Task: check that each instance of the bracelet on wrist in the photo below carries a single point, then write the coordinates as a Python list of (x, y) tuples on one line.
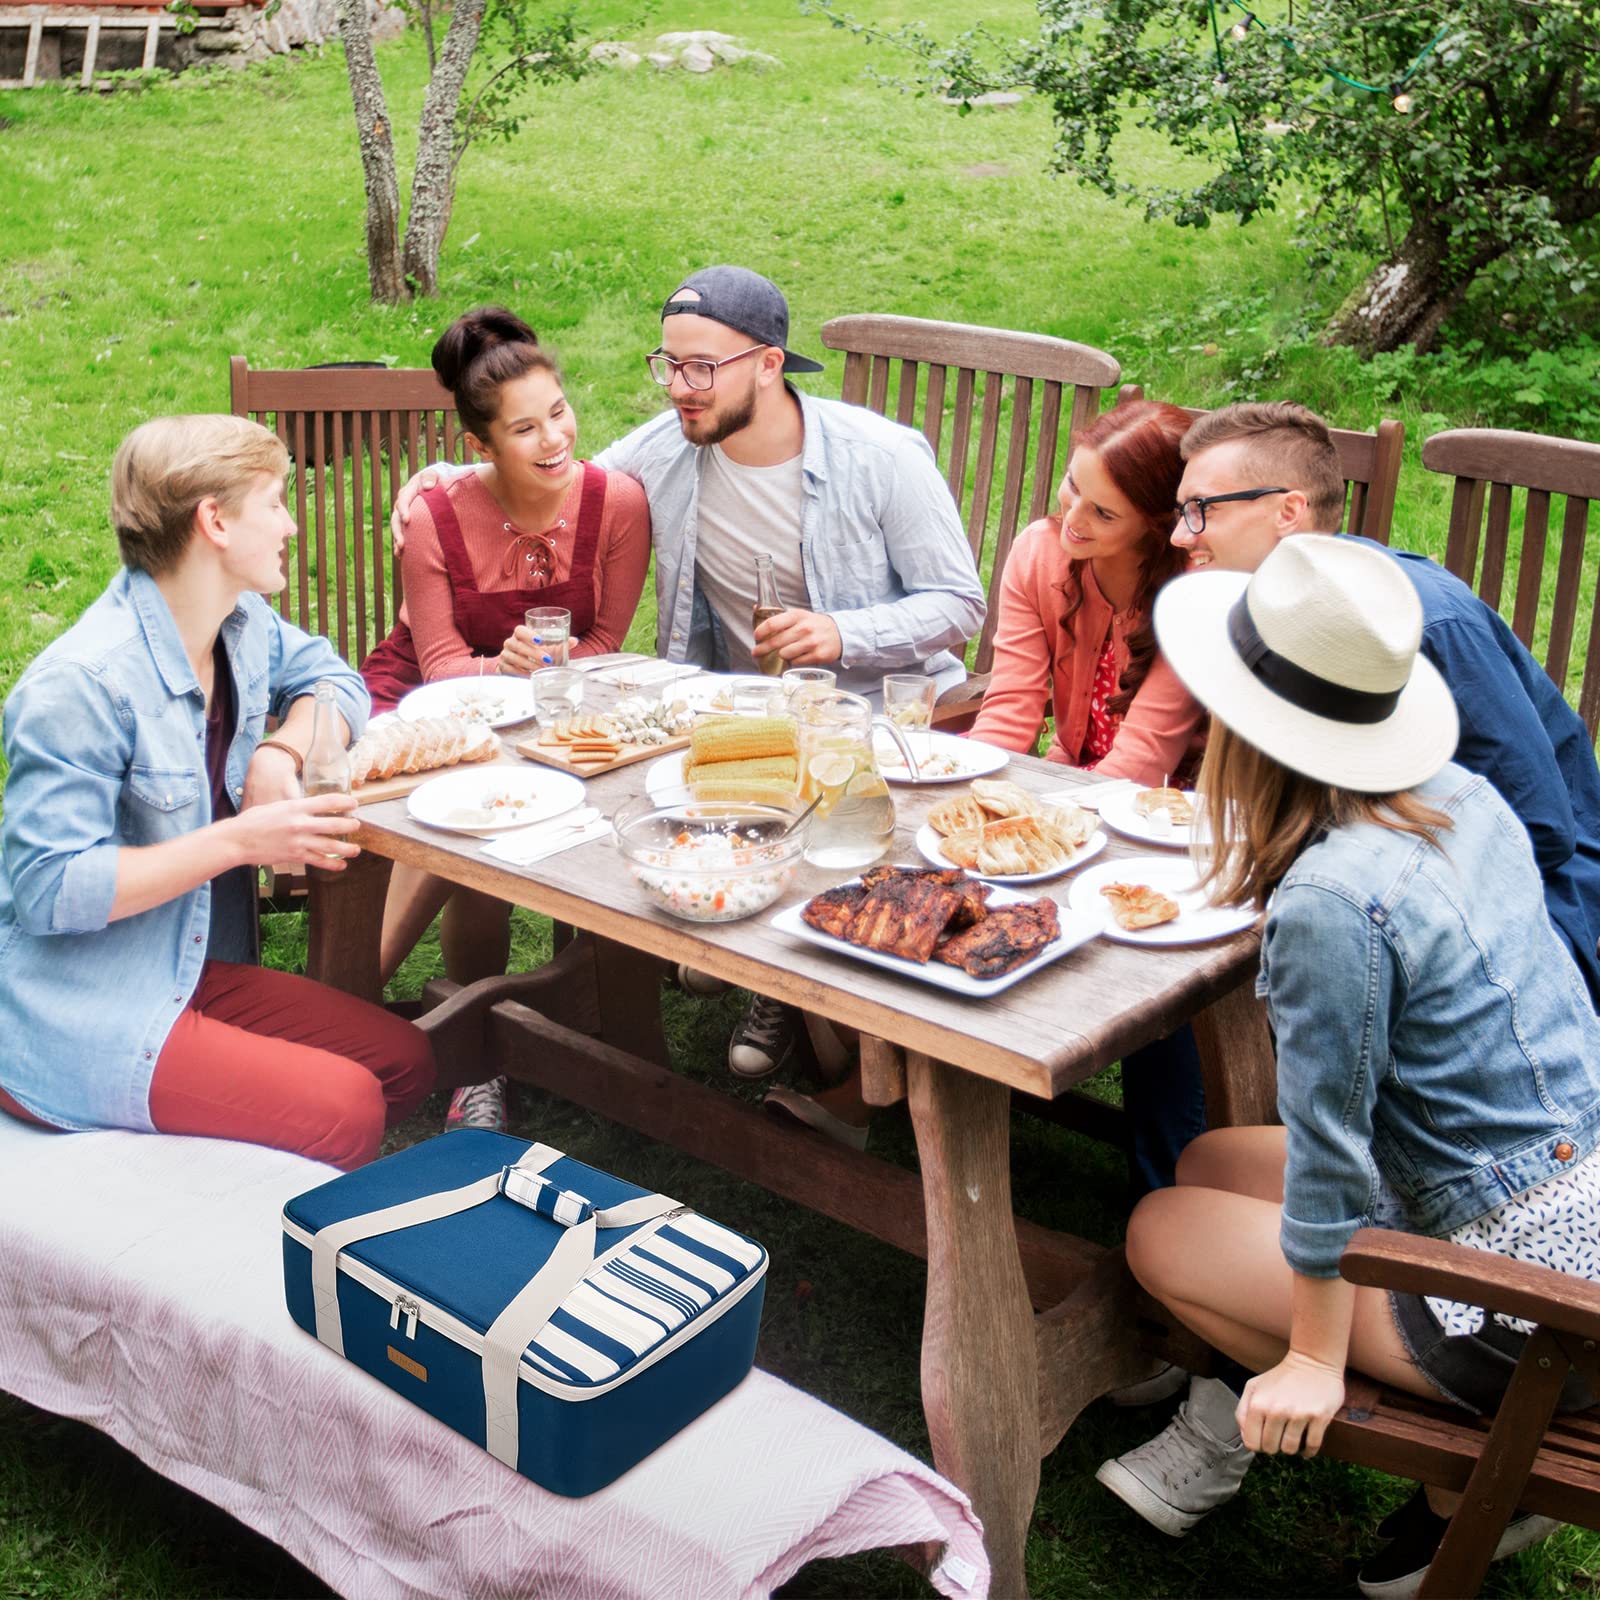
[(289, 750)]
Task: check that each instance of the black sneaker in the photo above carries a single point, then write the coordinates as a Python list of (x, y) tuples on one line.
[(764, 1042), (1415, 1533)]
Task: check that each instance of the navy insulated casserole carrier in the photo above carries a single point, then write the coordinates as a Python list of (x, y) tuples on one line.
[(565, 1320)]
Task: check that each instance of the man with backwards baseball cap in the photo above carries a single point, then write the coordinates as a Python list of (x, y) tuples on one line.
[(873, 567), (1436, 1047)]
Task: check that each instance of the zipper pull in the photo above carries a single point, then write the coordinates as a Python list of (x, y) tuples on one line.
[(413, 1311), (394, 1311)]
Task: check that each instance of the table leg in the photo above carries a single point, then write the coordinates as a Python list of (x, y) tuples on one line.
[(346, 917), (1237, 1061), (980, 1382)]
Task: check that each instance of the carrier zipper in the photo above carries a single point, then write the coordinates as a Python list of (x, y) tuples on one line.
[(409, 1309)]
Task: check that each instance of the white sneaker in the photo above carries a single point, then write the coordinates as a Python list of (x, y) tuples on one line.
[(1192, 1466)]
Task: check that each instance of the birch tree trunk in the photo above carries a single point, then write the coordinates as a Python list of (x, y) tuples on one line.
[(377, 153), (433, 185)]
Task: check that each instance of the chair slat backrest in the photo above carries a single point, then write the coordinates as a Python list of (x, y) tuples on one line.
[(1370, 463), (1492, 468), (354, 434), (997, 375)]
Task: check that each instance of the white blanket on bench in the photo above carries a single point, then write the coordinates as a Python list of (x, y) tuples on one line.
[(141, 1290)]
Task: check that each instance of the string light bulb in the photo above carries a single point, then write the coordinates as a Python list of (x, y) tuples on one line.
[(1240, 29), (1403, 102)]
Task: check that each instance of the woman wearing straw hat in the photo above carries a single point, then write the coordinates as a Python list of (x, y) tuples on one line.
[(1438, 1059)]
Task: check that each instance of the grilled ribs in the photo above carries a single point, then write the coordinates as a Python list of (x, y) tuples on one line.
[(833, 910), (1005, 938)]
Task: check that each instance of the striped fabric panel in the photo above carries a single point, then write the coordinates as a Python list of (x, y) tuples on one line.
[(625, 1308), (538, 1194)]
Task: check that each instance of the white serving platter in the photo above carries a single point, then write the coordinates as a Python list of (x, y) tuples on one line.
[(494, 702), (1076, 930)]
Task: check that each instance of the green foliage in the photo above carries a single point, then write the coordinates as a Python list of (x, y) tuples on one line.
[(1495, 161)]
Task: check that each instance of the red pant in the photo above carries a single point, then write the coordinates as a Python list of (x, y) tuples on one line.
[(270, 1058)]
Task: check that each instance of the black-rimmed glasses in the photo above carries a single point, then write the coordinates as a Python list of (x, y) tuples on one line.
[(698, 374), (1193, 510)]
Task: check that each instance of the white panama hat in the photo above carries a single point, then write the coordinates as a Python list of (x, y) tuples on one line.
[(1313, 660)]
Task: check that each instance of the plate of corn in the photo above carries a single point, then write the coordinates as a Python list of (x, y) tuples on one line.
[(732, 758)]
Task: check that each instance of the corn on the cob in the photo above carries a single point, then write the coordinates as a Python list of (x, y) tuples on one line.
[(722, 789), (761, 769), (741, 738)]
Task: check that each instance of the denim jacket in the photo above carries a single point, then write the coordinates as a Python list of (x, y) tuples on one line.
[(1434, 1033), (105, 739), (881, 543)]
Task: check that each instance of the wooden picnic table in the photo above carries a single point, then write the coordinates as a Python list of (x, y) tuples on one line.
[(1001, 1384)]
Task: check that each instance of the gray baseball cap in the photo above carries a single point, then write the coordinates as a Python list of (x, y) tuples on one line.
[(742, 299)]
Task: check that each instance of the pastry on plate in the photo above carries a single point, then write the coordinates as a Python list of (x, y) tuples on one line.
[(959, 812), (1002, 798), (1178, 806), (962, 848), (1070, 826), (1017, 846), (1137, 905)]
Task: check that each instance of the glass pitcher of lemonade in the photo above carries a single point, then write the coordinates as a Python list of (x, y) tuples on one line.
[(854, 821)]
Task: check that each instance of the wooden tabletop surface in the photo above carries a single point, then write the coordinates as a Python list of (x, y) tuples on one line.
[(1043, 1034)]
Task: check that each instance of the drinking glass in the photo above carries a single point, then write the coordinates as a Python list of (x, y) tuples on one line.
[(800, 683), (756, 697), (551, 627), (908, 703), (557, 693)]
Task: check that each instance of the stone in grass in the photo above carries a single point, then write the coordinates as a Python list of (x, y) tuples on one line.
[(696, 58), (662, 60), (613, 53), (998, 98)]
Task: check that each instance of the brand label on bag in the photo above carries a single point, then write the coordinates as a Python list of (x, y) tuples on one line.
[(406, 1364)]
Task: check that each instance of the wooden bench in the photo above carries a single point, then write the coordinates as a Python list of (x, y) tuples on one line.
[(48, 24), (1524, 1457), (983, 379), (1370, 463)]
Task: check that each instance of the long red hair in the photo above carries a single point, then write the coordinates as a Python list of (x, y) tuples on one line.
[(1137, 444)]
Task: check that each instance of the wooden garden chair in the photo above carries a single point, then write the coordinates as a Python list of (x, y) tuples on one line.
[(1524, 1457), (355, 433), (1370, 463), (996, 373), (1490, 466)]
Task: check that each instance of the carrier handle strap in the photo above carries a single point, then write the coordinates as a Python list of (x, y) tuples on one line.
[(327, 1242), (524, 1319)]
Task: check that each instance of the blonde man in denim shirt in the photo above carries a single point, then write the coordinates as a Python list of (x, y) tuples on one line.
[(140, 797)]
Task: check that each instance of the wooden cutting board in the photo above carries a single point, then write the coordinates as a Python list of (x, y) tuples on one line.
[(555, 755), (405, 782)]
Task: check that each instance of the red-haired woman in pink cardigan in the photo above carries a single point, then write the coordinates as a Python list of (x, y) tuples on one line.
[(1075, 637)]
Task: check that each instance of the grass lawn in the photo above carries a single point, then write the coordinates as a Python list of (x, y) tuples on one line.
[(151, 235)]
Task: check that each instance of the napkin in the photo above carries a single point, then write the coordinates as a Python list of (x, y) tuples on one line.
[(638, 674), (523, 848), (1088, 795)]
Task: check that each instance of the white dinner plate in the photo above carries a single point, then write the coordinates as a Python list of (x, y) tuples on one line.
[(1197, 922), (1076, 930), (952, 760), (665, 775), (1116, 811), (530, 794), (928, 840), (493, 702)]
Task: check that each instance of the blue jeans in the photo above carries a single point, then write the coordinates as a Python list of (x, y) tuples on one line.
[(1165, 1103)]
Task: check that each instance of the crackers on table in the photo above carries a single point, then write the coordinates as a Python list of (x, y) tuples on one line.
[(1137, 905), (593, 733)]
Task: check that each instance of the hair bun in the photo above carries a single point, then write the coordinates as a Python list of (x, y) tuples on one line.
[(470, 335)]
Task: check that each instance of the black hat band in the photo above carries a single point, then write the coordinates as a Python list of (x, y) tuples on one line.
[(1305, 690)]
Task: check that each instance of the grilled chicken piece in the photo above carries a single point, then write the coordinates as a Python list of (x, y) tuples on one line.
[(1007, 936), (974, 903), (904, 915), (833, 910)]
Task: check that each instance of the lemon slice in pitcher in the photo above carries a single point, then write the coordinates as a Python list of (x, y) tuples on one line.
[(865, 784)]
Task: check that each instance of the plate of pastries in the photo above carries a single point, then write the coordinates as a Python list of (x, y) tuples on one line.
[(1154, 900), (997, 829), (1153, 816)]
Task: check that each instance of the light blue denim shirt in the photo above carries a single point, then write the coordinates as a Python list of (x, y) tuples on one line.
[(1434, 1033), (881, 543), (105, 737)]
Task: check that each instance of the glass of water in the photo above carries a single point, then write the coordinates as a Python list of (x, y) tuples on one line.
[(908, 703), (557, 694), (551, 627), (800, 683)]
